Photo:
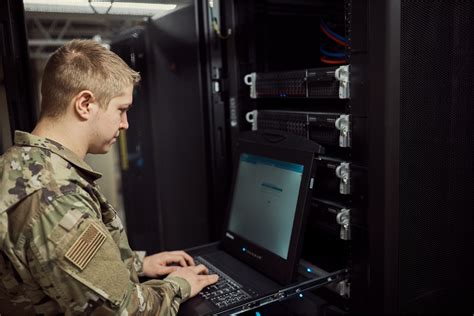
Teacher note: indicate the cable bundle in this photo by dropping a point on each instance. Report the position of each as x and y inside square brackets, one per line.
[332, 57]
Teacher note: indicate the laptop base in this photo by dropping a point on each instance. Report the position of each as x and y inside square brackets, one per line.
[264, 291]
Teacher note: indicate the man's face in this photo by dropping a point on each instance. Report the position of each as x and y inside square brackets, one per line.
[108, 122]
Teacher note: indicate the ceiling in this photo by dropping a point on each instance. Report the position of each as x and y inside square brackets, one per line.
[49, 30]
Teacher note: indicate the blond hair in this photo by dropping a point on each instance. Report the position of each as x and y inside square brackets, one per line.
[83, 65]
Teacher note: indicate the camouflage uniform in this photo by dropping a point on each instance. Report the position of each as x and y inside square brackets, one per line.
[63, 247]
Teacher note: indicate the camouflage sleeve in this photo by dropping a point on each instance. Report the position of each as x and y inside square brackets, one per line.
[138, 262]
[76, 262]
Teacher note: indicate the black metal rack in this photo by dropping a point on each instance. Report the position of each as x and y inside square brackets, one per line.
[388, 128]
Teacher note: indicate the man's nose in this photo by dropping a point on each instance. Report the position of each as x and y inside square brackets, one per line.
[124, 121]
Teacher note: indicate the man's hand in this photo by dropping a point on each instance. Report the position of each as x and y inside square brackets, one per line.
[164, 263]
[197, 277]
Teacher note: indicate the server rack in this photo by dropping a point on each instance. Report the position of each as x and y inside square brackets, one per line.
[165, 159]
[278, 79]
[387, 216]
[16, 69]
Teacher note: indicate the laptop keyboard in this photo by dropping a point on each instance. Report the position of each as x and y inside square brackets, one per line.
[226, 291]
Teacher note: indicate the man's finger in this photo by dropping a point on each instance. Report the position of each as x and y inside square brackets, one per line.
[206, 280]
[188, 258]
[172, 258]
[182, 262]
[200, 269]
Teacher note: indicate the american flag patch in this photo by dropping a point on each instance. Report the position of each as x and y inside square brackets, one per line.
[86, 246]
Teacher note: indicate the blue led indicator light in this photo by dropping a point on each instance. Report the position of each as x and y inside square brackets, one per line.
[244, 249]
[258, 314]
[301, 295]
[309, 270]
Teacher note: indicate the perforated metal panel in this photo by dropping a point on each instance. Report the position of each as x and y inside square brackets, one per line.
[436, 155]
[283, 84]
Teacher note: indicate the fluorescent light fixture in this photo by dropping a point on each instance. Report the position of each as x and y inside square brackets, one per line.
[83, 6]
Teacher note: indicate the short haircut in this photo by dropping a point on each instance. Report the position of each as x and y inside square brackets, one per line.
[83, 65]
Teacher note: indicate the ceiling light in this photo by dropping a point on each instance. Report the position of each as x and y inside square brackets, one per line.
[101, 7]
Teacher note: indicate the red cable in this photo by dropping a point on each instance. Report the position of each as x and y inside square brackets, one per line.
[332, 62]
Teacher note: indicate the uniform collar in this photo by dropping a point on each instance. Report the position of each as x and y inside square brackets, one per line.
[27, 139]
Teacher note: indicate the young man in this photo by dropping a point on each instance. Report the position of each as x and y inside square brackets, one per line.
[63, 248]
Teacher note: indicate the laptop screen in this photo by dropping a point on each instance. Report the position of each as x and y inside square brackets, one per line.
[264, 201]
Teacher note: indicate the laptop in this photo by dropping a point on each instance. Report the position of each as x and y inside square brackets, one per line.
[258, 253]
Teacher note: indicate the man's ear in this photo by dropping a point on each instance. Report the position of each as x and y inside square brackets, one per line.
[84, 104]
